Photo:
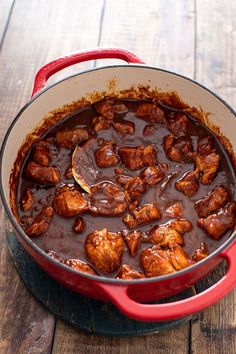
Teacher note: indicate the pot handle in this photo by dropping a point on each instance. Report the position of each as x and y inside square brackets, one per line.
[161, 312]
[84, 55]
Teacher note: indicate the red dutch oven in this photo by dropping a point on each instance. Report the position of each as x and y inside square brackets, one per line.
[131, 297]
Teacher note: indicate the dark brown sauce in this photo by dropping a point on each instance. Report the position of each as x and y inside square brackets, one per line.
[61, 237]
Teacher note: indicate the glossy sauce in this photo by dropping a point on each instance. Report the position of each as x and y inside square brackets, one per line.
[61, 238]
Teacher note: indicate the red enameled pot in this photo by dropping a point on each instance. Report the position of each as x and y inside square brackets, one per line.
[131, 297]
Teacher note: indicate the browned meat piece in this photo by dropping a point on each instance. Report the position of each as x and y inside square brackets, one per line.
[104, 108]
[40, 223]
[200, 253]
[128, 273]
[27, 200]
[189, 183]
[152, 175]
[42, 153]
[80, 266]
[174, 211]
[104, 249]
[179, 257]
[55, 256]
[133, 204]
[142, 215]
[133, 240]
[178, 123]
[68, 138]
[41, 174]
[148, 130]
[79, 225]
[107, 199]
[123, 179]
[156, 261]
[100, 123]
[169, 233]
[178, 149]
[69, 202]
[212, 201]
[105, 155]
[151, 113]
[119, 107]
[124, 127]
[68, 173]
[207, 165]
[136, 157]
[205, 145]
[135, 187]
[215, 225]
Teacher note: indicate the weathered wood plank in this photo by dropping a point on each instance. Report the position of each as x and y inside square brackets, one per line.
[160, 32]
[215, 328]
[162, 343]
[46, 33]
[5, 13]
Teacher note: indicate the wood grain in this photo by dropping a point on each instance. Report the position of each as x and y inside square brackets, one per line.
[160, 32]
[5, 14]
[173, 341]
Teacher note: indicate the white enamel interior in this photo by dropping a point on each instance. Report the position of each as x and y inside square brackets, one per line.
[78, 86]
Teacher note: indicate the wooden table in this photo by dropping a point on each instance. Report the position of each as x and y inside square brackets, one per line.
[195, 38]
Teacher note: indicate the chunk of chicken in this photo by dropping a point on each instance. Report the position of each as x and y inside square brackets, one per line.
[150, 112]
[79, 265]
[107, 199]
[104, 249]
[178, 257]
[79, 225]
[205, 145]
[148, 130]
[127, 272]
[188, 183]
[68, 138]
[215, 225]
[212, 201]
[119, 107]
[133, 240]
[100, 123]
[41, 222]
[135, 188]
[105, 155]
[171, 232]
[69, 202]
[123, 179]
[200, 253]
[207, 165]
[155, 261]
[42, 152]
[174, 211]
[104, 108]
[136, 157]
[55, 256]
[124, 127]
[142, 215]
[178, 149]
[27, 200]
[41, 174]
[152, 175]
[178, 123]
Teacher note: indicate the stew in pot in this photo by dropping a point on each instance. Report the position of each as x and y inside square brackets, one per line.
[127, 189]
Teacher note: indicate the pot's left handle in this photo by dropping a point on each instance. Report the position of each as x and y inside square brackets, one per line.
[56, 65]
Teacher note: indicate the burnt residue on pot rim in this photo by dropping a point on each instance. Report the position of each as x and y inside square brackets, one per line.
[139, 92]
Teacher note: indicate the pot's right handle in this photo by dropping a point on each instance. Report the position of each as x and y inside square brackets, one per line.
[54, 66]
[170, 311]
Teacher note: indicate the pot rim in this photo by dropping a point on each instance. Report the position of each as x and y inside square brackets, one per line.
[63, 266]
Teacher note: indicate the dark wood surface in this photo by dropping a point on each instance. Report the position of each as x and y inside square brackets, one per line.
[195, 38]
